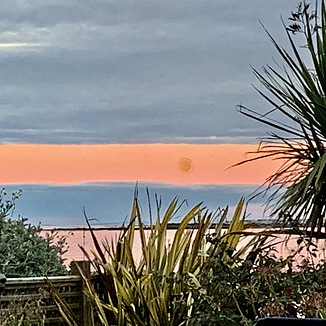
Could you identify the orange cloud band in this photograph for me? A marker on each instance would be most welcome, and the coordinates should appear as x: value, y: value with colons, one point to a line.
x: 169, y: 163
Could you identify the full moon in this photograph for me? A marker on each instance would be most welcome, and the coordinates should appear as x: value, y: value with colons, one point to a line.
x: 185, y: 165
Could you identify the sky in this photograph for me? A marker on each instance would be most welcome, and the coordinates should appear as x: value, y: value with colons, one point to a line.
x: 91, y: 85
x: 187, y: 164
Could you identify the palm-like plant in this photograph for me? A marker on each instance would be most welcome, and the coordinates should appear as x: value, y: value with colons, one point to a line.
x: 157, y: 287
x: 154, y: 290
x: 296, y: 90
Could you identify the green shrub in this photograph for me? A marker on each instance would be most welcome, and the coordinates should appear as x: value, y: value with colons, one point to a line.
x: 23, y: 251
x: 264, y: 286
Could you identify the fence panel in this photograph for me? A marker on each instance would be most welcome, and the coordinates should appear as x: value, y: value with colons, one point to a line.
x: 32, y: 296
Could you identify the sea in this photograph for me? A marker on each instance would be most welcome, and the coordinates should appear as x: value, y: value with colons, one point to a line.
x: 109, y: 204
x: 278, y: 245
x: 62, y: 209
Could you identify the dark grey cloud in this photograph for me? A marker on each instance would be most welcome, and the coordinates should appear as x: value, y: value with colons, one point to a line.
x: 133, y: 71
x: 110, y: 203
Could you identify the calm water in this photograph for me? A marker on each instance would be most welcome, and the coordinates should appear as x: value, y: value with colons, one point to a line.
x: 76, y: 238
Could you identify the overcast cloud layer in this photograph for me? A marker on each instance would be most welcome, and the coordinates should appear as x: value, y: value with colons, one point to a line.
x: 133, y: 71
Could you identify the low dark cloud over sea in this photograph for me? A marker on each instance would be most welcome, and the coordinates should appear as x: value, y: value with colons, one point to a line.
x: 110, y: 203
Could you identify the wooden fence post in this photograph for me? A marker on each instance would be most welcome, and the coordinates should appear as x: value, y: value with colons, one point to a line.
x: 86, y: 314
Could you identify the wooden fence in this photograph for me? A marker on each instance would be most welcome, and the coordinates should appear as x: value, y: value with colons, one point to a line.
x: 32, y: 296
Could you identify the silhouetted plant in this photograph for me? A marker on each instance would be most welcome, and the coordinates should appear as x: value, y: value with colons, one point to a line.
x: 296, y: 90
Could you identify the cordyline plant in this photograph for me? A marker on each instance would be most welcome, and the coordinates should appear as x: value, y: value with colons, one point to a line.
x: 157, y: 287
x: 296, y: 91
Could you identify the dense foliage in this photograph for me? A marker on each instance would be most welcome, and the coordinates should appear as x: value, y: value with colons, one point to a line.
x: 261, y: 285
x: 23, y: 252
x: 295, y: 90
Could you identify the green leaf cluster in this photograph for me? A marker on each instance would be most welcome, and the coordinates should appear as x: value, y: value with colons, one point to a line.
x: 261, y: 287
x: 23, y: 251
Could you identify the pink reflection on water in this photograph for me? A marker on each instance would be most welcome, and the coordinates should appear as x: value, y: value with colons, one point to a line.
x: 76, y: 238
x: 79, y: 237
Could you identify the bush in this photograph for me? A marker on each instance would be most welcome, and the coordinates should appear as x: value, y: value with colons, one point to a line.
x: 267, y: 286
x: 23, y: 252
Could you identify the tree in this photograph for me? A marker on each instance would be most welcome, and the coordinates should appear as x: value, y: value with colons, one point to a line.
x: 296, y: 91
x: 23, y: 251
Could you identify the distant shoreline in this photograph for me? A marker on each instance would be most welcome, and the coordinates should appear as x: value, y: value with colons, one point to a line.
x: 254, y: 224
x: 272, y: 227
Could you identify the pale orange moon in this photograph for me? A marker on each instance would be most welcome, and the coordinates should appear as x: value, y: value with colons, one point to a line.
x: 185, y: 165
